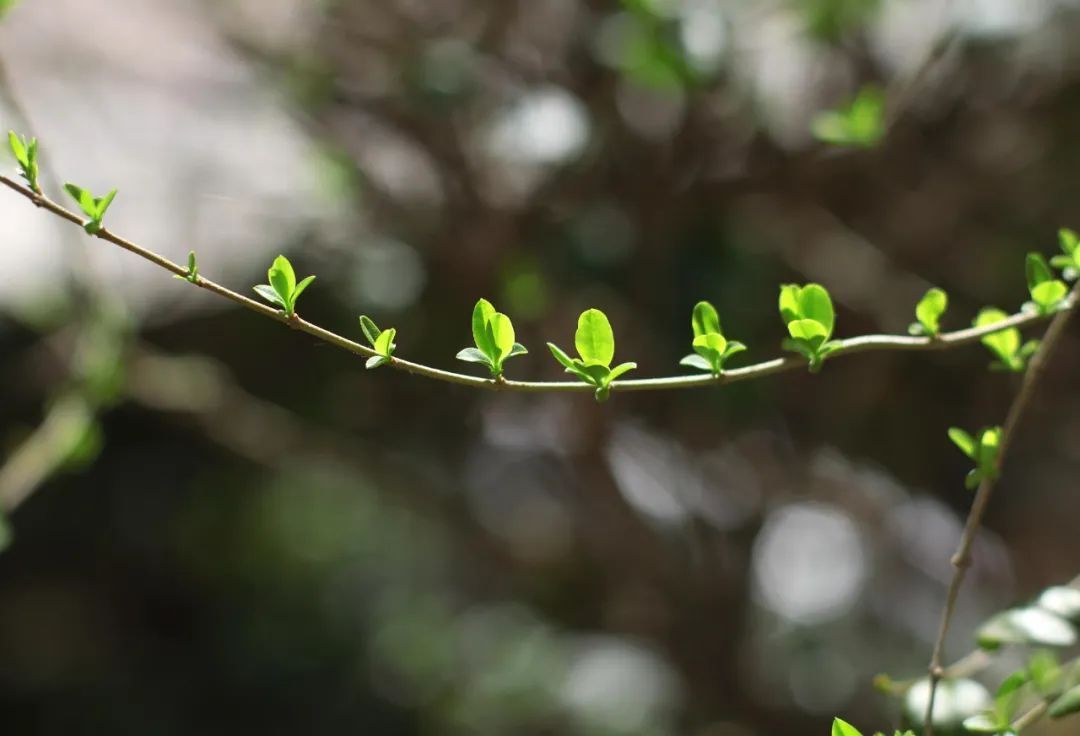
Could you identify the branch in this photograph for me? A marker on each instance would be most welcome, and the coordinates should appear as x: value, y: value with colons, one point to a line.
x: 961, y: 560
x: 852, y: 345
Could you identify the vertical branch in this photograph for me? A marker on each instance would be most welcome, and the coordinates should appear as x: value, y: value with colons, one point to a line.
x: 961, y: 560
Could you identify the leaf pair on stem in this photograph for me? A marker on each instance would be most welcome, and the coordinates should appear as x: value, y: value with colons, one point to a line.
x: 711, y: 348
x: 808, y: 313
x: 493, y: 335
x: 595, y: 343
x: 283, y: 291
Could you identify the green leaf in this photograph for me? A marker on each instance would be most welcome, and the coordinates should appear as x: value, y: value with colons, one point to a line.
x: 1068, y: 240
x: 283, y: 279
x: 482, y: 313
x: 1061, y: 601
x: 1067, y: 704
x: 1026, y: 626
x: 696, y: 361
x: 375, y: 361
x: 566, y: 361
x: 502, y: 334
x: 371, y: 332
x: 861, y: 123
x: 790, y: 310
x: 518, y: 349
x: 1007, y: 697
x: 929, y: 310
x: 384, y: 344
x: 300, y: 288
x: 1044, y: 671
x: 18, y: 148
x: 705, y: 320
x: 710, y: 343
x: 102, y: 204
x: 619, y: 370
x: 473, y: 355
x: 843, y: 728
x: 816, y: 304
x: 1037, y: 270
x: 1048, y: 294
x: 963, y: 440
x: 594, y: 339
x: 267, y: 292
x: 1005, y: 343
x: 812, y: 332
x: 80, y: 195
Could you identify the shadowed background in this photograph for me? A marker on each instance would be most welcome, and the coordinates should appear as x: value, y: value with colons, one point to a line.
x: 225, y: 527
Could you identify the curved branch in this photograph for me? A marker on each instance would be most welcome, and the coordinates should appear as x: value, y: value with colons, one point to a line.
x: 851, y: 345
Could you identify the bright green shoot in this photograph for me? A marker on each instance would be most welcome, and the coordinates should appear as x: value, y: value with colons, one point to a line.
x: 493, y: 334
x: 25, y: 152
x: 1069, y: 261
x: 382, y: 342
x: 860, y: 124
x: 192, y: 274
x: 1012, y: 354
x: 808, y: 313
x: 91, y: 206
x: 711, y: 348
x: 595, y: 343
x: 1047, y: 293
x: 283, y: 291
x: 982, y: 449
x: 928, y: 313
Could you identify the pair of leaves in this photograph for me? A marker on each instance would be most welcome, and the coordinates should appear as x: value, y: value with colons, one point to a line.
x: 1047, y: 293
x: 25, y: 152
x: 983, y: 449
x: 928, y: 313
x: 808, y: 313
x: 861, y: 123
x: 1069, y: 261
x: 1036, y: 624
x: 843, y: 728
x: 595, y: 343
x: 711, y: 348
x: 192, y: 274
x: 93, y: 207
x: 1012, y: 354
x: 493, y: 335
x: 283, y: 291
x: 382, y: 342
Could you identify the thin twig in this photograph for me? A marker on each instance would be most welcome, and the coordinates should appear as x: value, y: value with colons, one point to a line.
x: 778, y: 365
x: 962, y: 559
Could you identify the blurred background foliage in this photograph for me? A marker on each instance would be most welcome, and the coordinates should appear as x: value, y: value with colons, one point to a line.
x: 225, y: 528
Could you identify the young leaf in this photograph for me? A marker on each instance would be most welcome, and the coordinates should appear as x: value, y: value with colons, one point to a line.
x: 815, y: 304
x: 619, y: 370
x: 566, y: 361
x: 1044, y: 671
x: 502, y: 334
x: 384, y: 344
x: 705, y: 320
x: 696, y: 361
x: 929, y: 310
x: 861, y: 123
x: 371, y: 332
x: 963, y: 440
x: 482, y: 313
x: 19, y: 149
x: 1005, y: 344
x: 473, y: 355
x: 843, y: 728
x: 267, y: 292
x: 1036, y: 270
x: 375, y: 361
x: 300, y: 288
x: 790, y: 310
x: 283, y: 279
x: 810, y: 331
x: 25, y: 153
x: 594, y: 340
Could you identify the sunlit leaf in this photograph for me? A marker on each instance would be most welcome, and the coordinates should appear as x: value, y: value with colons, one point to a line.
x: 594, y: 339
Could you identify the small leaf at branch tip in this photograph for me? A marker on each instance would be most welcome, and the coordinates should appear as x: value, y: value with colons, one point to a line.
x: 843, y: 728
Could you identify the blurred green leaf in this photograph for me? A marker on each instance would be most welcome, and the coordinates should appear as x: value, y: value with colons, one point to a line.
x: 1005, y: 344
x: 1067, y: 704
x: 928, y: 312
x: 1061, y: 601
x: 861, y: 123
x: 843, y: 728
